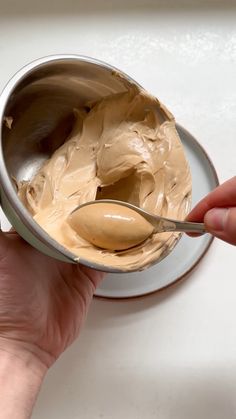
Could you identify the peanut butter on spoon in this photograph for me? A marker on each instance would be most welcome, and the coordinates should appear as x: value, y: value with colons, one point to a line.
x: 110, y: 226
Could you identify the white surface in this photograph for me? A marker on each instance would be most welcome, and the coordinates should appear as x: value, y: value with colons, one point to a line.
x: 187, y: 251
x: 173, y: 355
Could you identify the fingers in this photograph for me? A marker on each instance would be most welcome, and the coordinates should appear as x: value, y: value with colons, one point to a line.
x: 221, y: 222
x: 218, y: 210
x: 223, y: 196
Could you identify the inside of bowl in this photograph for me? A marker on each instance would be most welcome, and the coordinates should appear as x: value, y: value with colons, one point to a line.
x: 41, y: 110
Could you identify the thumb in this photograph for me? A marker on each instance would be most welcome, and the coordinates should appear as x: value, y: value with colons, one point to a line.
x: 221, y: 222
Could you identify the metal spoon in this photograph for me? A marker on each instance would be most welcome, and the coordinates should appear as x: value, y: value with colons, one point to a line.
x: 159, y: 223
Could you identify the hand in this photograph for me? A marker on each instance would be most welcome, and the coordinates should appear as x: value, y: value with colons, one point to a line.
x: 43, y: 302
x: 218, y: 211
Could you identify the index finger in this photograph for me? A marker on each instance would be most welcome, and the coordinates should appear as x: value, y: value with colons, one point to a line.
x: 223, y: 196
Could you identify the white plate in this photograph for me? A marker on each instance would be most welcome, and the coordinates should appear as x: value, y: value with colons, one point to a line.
x: 188, y: 251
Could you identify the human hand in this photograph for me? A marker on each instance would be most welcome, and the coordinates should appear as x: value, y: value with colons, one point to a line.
x: 43, y: 302
x: 218, y: 211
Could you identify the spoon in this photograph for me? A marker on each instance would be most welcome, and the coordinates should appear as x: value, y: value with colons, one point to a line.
x: 116, y: 225
x: 160, y: 224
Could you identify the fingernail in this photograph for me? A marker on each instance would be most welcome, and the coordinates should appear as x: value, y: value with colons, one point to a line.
x: 215, y: 219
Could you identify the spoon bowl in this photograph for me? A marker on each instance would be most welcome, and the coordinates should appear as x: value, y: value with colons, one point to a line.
x: 160, y: 224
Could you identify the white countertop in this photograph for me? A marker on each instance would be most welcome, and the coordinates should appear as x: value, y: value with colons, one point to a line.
x: 171, y: 355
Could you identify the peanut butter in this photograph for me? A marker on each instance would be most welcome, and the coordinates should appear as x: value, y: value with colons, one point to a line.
x: 119, y: 227
x: 123, y: 147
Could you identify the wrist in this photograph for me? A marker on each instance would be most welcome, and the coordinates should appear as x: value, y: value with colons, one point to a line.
x: 21, y: 376
x: 39, y: 359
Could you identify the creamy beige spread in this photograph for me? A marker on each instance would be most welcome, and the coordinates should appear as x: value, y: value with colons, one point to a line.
x: 119, y: 227
x: 123, y: 147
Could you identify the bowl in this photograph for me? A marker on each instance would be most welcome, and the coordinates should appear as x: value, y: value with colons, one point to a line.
x: 67, y: 82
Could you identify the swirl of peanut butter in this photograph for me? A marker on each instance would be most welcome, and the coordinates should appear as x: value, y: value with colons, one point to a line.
x: 123, y: 147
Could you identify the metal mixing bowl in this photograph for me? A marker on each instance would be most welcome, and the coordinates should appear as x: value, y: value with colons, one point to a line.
x: 67, y: 82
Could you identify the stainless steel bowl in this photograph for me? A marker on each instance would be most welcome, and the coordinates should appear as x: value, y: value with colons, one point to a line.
x: 67, y: 82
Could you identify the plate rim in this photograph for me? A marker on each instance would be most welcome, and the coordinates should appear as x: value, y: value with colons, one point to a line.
x: 185, y: 275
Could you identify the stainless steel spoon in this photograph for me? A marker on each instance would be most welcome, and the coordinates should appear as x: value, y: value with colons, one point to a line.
x: 159, y: 223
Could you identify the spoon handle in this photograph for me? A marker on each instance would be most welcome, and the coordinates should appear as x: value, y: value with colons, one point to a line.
x: 185, y: 226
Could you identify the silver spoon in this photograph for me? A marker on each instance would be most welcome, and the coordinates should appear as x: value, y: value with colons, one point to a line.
x: 159, y: 223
